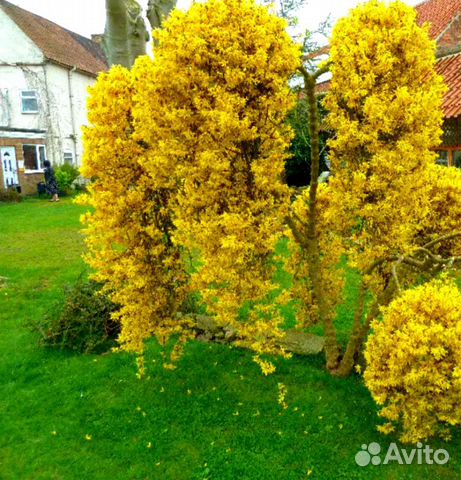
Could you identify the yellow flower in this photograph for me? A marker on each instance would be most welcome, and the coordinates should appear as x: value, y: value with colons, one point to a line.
x: 413, y: 359
x: 187, y: 154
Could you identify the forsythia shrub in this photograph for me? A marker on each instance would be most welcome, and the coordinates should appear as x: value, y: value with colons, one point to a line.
x: 219, y: 99
x: 188, y: 152
x: 414, y: 361
x: 444, y: 215
x: 385, y: 109
x: 128, y: 234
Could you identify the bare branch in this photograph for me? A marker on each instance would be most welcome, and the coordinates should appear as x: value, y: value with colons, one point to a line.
x: 442, y: 239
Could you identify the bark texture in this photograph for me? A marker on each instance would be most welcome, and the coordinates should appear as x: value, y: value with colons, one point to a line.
x: 125, y: 34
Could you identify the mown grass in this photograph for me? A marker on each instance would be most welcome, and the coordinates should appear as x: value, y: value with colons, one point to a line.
x: 215, y: 417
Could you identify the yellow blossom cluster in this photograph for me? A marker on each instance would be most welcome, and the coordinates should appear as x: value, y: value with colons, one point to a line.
x: 128, y: 232
x: 444, y: 215
x: 188, y: 150
x: 414, y: 361
x: 385, y: 109
x: 219, y: 98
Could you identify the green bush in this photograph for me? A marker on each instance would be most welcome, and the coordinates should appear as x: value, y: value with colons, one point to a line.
x: 10, y: 195
x: 83, y: 323
x: 65, y: 176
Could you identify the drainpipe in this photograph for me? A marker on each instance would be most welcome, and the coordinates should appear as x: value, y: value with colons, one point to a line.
x: 49, y: 125
x: 72, y: 113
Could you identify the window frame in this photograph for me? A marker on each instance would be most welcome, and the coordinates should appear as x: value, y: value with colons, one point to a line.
x: 37, y: 153
x: 29, y: 97
x: 451, y: 153
x: 68, y: 152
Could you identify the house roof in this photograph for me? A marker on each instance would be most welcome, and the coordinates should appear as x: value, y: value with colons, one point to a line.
x: 450, y: 68
x: 58, y: 44
x: 439, y: 13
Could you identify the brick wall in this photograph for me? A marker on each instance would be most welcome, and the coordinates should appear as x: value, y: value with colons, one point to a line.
x: 27, y: 181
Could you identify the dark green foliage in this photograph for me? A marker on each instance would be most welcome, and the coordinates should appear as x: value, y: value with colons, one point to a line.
x: 298, y: 166
x: 83, y: 323
x: 193, y: 304
x: 65, y: 175
x: 10, y: 196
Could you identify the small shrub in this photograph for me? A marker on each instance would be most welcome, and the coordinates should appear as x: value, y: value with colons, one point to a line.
x: 65, y: 176
x: 83, y: 323
x: 414, y: 361
x: 10, y: 196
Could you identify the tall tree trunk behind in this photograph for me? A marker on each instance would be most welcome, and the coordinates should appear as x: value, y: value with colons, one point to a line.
x: 137, y: 32
x: 125, y: 34
x: 158, y: 10
x: 332, y: 348
x: 116, y: 34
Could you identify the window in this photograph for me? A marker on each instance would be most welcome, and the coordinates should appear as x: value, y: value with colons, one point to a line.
x: 457, y: 158
x: 449, y: 156
x: 34, y: 156
x: 68, y: 158
x: 29, y: 101
x: 443, y: 158
x: 452, y: 141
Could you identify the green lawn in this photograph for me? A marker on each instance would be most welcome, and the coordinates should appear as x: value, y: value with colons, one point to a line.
x: 215, y: 417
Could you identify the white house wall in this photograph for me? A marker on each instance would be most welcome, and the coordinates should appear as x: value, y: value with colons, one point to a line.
x: 13, y: 80
x: 57, y: 87
x: 67, y: 99
x: 15, y: 45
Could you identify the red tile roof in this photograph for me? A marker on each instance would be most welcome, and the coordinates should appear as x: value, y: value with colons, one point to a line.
x: 439, y: 13
x: 58, y: 44
x: 450, y: 68
x: 322, y: 87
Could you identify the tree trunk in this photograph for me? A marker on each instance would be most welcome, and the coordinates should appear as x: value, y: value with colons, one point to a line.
x: 360, y: 330
x: 332, y: 349
x: 137, y: 32
x: 116, y: 34
x: 158, y: 10
x: 125, y: 35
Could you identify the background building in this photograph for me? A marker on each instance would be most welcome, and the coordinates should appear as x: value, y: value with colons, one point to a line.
x: 444, y: 16
x: 45, y: 71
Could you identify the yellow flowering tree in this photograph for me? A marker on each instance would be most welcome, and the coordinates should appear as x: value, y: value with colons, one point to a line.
x: 203, y: 130
x: 414, y: 361
x: 129, y: 231
x: 187, y: 152
x: 385, y: 111
x: 385, y: 108
x: 221, y: 96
